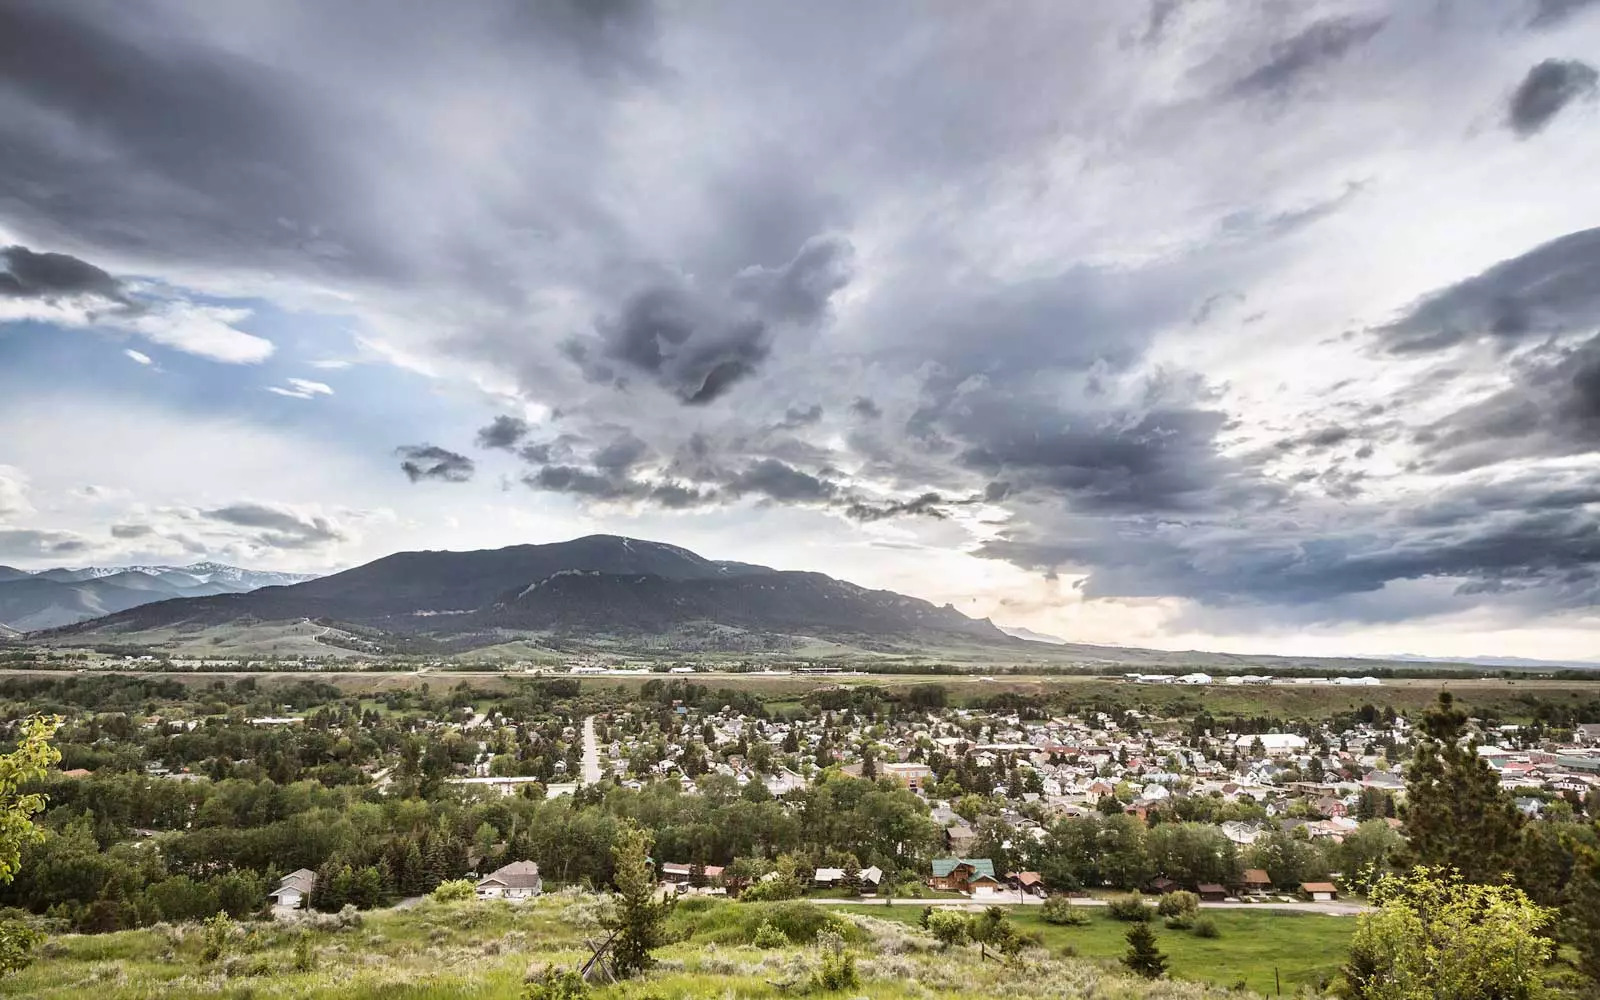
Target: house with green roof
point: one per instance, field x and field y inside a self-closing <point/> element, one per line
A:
<point x="963" y="874"/>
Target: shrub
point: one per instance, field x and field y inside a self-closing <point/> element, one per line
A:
<point x="1130" y="907"/>
<point x="838" y="968"/>
<point x="305" y="955"/>
<point x="1205" y="927"/>
<point x="769" y="890"/>
<point x="215" y="936"/>
<point x="454" y="889"/>
<point x="556" y="984"/>
<point x="1060" y="911"/>
<point x="948" y="926"/>
<point x="17" y="942"/>
<point x="1178" y="904"/>
<point x="768" y="936"/>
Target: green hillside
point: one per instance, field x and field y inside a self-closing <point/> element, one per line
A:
<point x="485" y="950"/>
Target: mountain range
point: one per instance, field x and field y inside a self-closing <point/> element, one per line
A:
<point x="55" y="597"/>
<point x="596" y="586"/>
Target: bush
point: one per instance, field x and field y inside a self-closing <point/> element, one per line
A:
<point x="556" y="984"/>
<point x="768" y="936"/>
<point x="215" y="937"/>
<point x="305" y="955"/>
<point x="948" y="926"/>
<point x="770" y="890"/>
<point x="1060" y="911"/>
<point x="838" y="969"/>
<point x="454" y="889"/>
<point x="1130" y="907"/>
<point x="1178" y="904"/>
<point x="1205" y="927"/>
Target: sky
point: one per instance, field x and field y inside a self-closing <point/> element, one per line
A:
<point x="1256" y="325"/>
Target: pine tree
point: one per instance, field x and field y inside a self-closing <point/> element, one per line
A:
<point x="1143" y="957"/>
<point x="640" y="914"/>
<point x="1457" y="815"/>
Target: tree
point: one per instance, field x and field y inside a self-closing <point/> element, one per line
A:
<point x="33" y="757"/>
<point x="1457" y="815"/>
<point x="1583" y="910"/>
<point x="1435" y="934"/>
<point x="1143" y="957"/>
<point x="639" y="914"/>
<point x="991" y="929"/>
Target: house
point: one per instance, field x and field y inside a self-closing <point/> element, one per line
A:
<point x="1029" y="882"/>
<point x="518" y="880"/>
<point x="1163" y="885"/>
<point x="1255" y="881"/>
<point x="911" y="775"/>
<point x="872" y="876"/>
<point x="959" y="874"/>
<point x="960" y="837"/>
<point x="1210" y="892"/>
<point x="77" y="772"/>
<point x="1319" y="892"/>
<point x="829" y="878"/>
<point x="294" y="889"/>
<point x="1589" y="732"/>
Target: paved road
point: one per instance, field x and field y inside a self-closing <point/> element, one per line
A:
<point x="591" y="753"/>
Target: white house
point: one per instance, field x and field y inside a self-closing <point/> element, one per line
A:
<point x="294" y="889"/>
<point x="518" y="880"/>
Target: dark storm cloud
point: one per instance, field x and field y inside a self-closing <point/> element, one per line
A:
<point x="426" y="461"/>
<point x="1551" y="409"/>
<point x="1161" y="460"/>
<point x="1529" y="536"/>
<point x="698" y="346"/>
<point x="1551" y="290"/>
<point x="202" y="151"/>
<point x="795" y="418"/>
<point x="865" y="408"/>
<point x="1549" y="13"/>
<point x="503" y="432"/>
<point x="1548" y="87"/>
<point x="799" y="290"/>
<point x="781" y="482"/>
<point x="279" y="527"/>
<point x="131" y="530"/>
<point x="1323" y="42"/>
<point x="928" y="505"/>
<point x="29" y="274"/>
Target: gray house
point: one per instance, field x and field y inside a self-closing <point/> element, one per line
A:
<point x="518" y="880"/>
<point x="294" y="889"/>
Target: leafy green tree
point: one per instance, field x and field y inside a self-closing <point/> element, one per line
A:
<point x="1435" y="934"/>
<point x="992" y="929"/>
<point x="1457" y="815"/>
<point x="640" y="914"/>
<point x="33" y="757"/>
<point x="1143" y="957"/>
<point x="1583" y="911"/>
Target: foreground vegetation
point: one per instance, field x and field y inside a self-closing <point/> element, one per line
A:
<point x="485" y="950"/>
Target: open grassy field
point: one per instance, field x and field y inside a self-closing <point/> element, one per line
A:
<point x="483" y="951"/>
<point x="1509" y="699"/>
<point x="1306" y="949"/>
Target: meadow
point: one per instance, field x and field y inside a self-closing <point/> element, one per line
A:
<point x="485" y="951"/>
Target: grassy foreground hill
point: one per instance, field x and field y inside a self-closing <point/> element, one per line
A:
<point x="484" y="951"/>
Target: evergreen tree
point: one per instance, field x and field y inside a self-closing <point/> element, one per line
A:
<point x="640" y="915"/>
<point x="869" y="765"/>
<point x="1457" y="815"/>
<point x="1143" y="957"/>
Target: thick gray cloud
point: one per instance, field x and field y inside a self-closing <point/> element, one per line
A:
<point x="1321" y="43"/>
<point x="279" y="527"/>
<point x="503" y="432"/>
<point x="1550" y="13"/>
<point x="1006" y="271"/>
<point x="29" y="274"/>
<point x="30" y="543"/>
<point x="1548" y="87"/>
<point x="1551" y="290"/>
<point x="426" y="461"/>
<point x="130" y="531"/>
